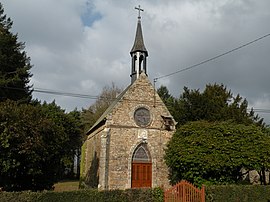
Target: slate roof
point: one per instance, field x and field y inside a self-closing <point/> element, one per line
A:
<point x="138" y="43"/>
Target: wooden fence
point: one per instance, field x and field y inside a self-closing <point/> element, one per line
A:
<point x="184" y="192"/>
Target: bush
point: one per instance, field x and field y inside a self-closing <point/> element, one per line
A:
<point x="213" y="153"/>
<point x="238" y="193"/>
<point x="219" y="193"/>
<point x="25" y="196"/>
<point x="91" y="195"/>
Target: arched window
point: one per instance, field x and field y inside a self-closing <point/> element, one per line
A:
<point x="140" y="63"/>
<point x="134" y="58"/>
<point x="141" y="154"/>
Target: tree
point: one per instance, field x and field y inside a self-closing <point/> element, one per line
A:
<point x="37" y="144"/>
<point x="215" y="152"/>
<point x="30" y="147"/>
<point x="107" y="96"/>
<point x="14" y="64"/>
<point x="71" y="126"/>
<point x="168" y="99"/>
<point x="76" y="138"/>
<point x="215" y="103"/>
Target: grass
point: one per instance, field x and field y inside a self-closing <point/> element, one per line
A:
<point x="66" y="186"/>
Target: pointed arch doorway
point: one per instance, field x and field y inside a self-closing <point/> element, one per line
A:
<point x="141" y="167"/>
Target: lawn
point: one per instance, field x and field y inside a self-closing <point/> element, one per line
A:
<point x="66" y="186"/>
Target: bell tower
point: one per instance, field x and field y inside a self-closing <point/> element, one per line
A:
<point x="138" y="52"/>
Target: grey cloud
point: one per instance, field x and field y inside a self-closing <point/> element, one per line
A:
<point x="70" y="55"/>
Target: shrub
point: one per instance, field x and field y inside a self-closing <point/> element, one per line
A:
<point x="238" y="193"/>
<point x="91" y="195"/>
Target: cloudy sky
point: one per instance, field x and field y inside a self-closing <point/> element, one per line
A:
<point x="80" y="46"/>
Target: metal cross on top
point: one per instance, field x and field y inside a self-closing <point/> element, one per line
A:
<point x="139" y="9"/>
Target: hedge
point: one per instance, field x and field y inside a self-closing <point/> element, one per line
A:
<point x="225" y="193"/>
<point x="238" y="193"/>
<point x="91" y="195"/>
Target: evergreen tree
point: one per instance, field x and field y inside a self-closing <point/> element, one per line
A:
<point x="30" y="146"/>
<point x="168" y="100"/>
<point x="71" y="127"/>
<point x="14" y="64"/>
<point x="37" y="145"/>
<point x="215" y="103"/>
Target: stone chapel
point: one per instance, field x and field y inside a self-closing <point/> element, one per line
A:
<point x="125" y="148"/>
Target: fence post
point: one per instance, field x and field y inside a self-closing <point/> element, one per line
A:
<point x="203" y="194"/>
<point x="184" y="191"/>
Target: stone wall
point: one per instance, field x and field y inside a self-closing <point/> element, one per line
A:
<point x="123" y="143"/>
<point x="92" y="160"/>
<point x="125" y="135"/>
<point x="113" y="145"/>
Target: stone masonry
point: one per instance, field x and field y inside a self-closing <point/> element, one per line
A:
<point x="111" y="143"/>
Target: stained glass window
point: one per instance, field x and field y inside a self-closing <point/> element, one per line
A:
<point x="141" y="154"/>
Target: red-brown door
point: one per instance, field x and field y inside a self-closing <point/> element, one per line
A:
<point x="141" y="175"/>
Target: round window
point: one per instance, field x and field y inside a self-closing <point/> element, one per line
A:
<point x="142" y="116"/>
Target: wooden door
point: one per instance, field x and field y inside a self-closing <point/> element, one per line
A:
<point x="141" y="175"/>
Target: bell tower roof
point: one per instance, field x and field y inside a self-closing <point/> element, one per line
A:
<point x="138" y="52"/>
<point x="138" y="43"/>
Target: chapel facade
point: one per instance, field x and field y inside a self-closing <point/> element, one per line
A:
<point x="125" y="148"/>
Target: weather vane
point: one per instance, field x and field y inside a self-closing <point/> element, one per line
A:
<point x="139" y="9"/>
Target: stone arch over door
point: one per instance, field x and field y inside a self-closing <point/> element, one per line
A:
<point x="141" y="169"/>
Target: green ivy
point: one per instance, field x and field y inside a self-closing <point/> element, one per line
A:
<point x="82" y="165"/>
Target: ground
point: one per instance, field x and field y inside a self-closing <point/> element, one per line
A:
<point x="66" y="186"/>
